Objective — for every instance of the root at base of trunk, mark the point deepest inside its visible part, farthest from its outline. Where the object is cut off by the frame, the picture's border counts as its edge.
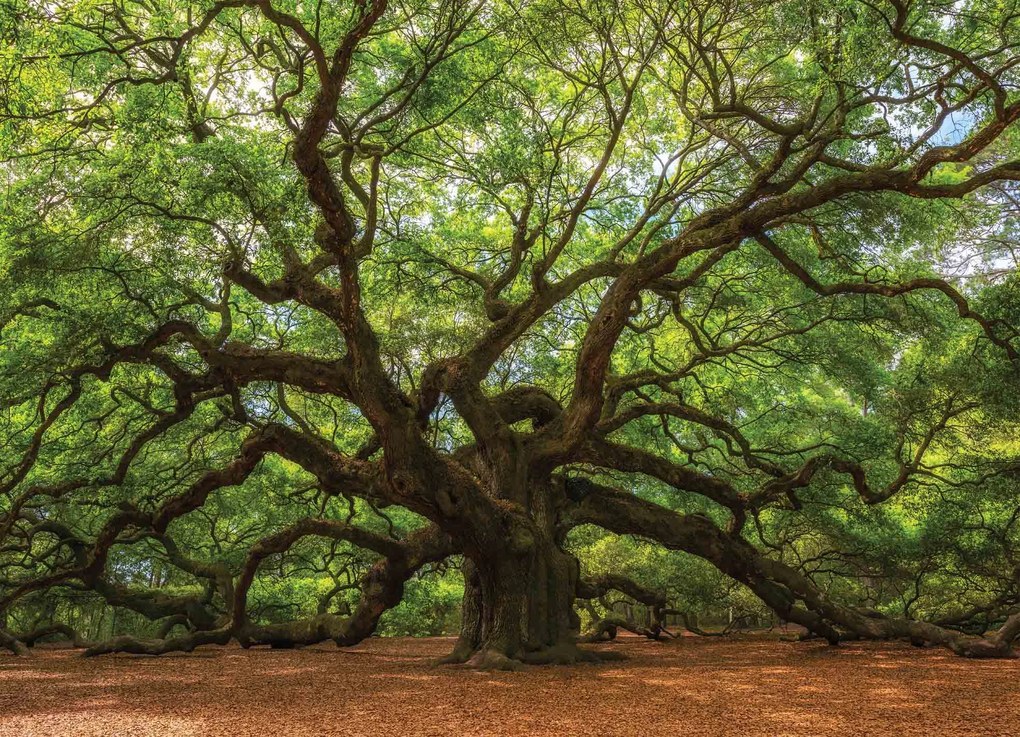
(494, 659)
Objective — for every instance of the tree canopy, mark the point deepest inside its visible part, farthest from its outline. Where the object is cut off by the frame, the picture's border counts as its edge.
(312, 307)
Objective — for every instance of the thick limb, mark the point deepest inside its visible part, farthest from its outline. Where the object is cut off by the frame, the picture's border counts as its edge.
(45, 631)
(606, 628)
(179, 644)
(13, 644)
(789, 593)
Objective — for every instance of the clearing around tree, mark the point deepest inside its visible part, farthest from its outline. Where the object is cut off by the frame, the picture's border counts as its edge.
(694, 687)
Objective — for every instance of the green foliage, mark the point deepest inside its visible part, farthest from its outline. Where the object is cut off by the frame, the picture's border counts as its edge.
(141, 178)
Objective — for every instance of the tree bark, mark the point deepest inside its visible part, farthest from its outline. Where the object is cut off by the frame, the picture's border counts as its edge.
(12, 643)
(790, 594)
(67, 632)
(519, 608)
(519, 589)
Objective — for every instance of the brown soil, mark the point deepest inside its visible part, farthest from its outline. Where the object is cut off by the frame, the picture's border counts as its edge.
(737, 686)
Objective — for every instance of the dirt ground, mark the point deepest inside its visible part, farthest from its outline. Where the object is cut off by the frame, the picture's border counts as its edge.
(737, 686)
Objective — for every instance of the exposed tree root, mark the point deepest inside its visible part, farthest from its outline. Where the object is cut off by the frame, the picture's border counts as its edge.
(489, 659)
(462, 652)
(566, 653)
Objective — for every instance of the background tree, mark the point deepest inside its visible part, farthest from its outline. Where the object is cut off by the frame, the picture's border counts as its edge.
(327, 293)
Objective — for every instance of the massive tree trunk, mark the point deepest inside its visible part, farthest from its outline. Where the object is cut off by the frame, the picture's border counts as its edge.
(519, 589)
(525, 609)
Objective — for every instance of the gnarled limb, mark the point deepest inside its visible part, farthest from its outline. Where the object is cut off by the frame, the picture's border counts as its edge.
(49, 630)
(778, 585)
(606, 627)
(12, 643)
(641, 258)
(182, 643)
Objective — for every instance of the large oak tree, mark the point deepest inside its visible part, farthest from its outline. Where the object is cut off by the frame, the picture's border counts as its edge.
(700, 272)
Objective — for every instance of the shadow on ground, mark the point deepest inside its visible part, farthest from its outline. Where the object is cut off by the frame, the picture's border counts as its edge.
(737, 686)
